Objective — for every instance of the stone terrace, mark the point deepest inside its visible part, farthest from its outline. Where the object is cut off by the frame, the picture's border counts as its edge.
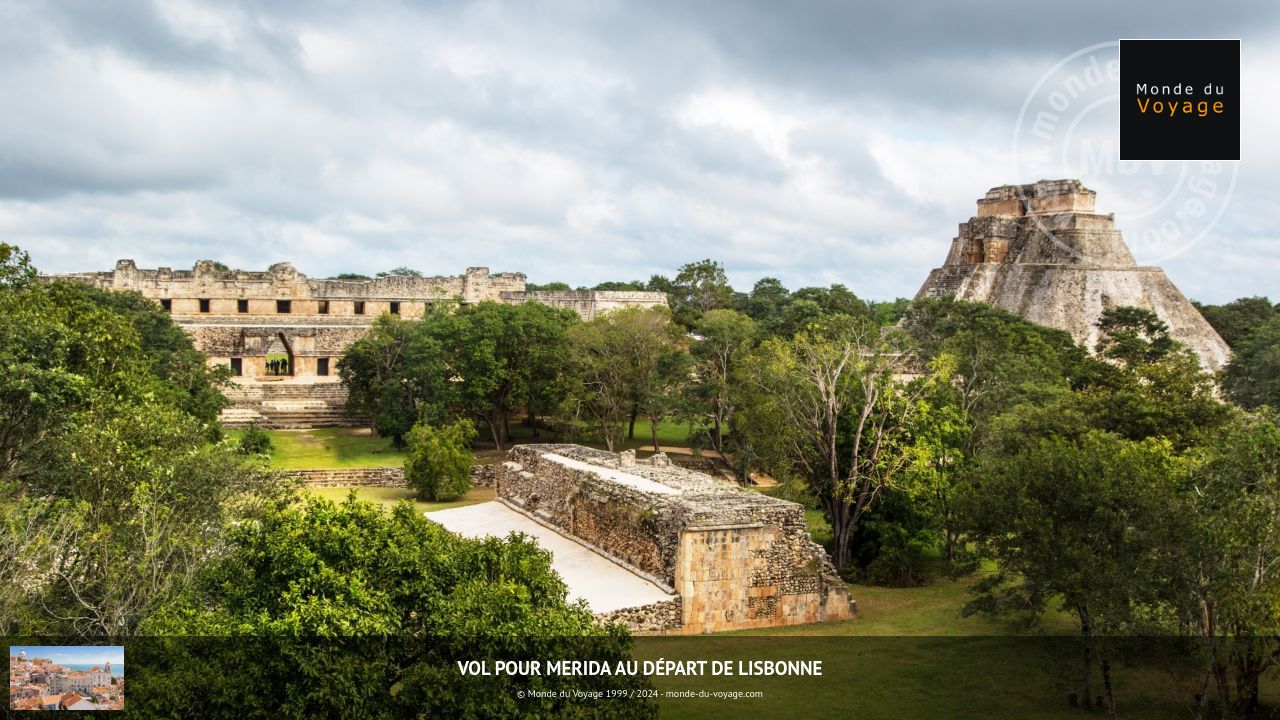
(737, 559)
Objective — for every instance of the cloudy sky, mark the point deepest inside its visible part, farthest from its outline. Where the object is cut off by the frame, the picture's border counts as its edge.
(582, 141)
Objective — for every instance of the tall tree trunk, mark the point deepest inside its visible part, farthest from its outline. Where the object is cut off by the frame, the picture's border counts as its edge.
(531, 418)
(506, 426)
(1086, 632)
(493, 432)
(1250, 661)
(631, 427)
(608, 435)
(841, 529)
(653, 432)
(1107, 688)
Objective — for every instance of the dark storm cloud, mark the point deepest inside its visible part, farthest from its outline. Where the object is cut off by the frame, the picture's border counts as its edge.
(582, 141)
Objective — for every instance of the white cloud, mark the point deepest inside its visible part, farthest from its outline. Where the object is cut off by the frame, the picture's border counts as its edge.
(572, 141)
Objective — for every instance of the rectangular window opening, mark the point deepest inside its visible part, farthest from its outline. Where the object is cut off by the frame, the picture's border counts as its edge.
(284, 306)
(322, 366)
(204, 305)
(242, 306)
(323, 307)
(359, 307)
(237, 367)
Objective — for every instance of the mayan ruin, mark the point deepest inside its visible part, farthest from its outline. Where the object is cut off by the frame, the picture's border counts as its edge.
(669, 550)
(283, 333)
(1042, 251)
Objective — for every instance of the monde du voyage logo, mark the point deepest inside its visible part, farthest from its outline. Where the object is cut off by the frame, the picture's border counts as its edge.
(1180, 99)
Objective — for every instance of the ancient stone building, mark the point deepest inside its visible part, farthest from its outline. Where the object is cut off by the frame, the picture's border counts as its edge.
(690, 553)
(282, 333)
(1041, 251)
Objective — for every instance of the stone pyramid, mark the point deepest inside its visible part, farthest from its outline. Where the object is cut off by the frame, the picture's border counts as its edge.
(1041, 251)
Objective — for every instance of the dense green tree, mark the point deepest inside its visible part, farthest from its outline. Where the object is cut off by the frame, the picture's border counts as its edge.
(994, 360)
(375, 370)
(482, 361)
(1146, 384)
(401, 271)
(829, 407)
(1219, 552)
(889, 312)
(348, 611)
(185, 374)
(350, 276)
(698, 287)
(623, 362)
(439, 461)
(1133, 336)
(1237, 319)
(766, 304)
(723, 338)
(622, 285)
(834, 300)
(105, 431)
(1252, 376)
(556, 285)
(1078, 520)
(498, 358)
(396, 414)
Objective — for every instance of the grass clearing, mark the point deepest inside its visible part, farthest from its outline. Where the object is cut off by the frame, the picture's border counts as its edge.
(331, 448)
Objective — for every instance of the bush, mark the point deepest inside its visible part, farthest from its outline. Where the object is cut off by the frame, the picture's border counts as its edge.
(439, 461)
(255, 441)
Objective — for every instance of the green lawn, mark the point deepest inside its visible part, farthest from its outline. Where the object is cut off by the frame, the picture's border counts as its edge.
(331, 448)
(357, 447)
(910, 655)
(389, 497)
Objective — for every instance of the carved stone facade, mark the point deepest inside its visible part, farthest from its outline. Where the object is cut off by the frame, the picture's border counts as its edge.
(734, 559)
(1041, 251)
(281, 324)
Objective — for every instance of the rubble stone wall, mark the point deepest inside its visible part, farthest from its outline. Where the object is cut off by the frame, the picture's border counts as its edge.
(736, 559)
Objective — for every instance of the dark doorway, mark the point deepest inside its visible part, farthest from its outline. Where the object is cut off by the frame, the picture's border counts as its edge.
(237, 367)
(322, 366)
(279, 357)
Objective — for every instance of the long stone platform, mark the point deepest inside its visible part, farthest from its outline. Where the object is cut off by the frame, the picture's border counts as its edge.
(604, 584)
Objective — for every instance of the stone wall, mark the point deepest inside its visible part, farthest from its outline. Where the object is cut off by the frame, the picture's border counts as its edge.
(657, 618)
(238, 317)
(737, 559)
(588, 303)
(354, 477)
(481, 476)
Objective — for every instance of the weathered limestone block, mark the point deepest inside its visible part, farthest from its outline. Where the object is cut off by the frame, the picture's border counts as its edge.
(736, 558)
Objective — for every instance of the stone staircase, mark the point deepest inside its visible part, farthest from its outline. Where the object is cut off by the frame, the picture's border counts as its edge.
(288, 406)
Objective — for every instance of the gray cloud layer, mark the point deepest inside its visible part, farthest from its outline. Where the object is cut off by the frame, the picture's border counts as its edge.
(578, 141)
